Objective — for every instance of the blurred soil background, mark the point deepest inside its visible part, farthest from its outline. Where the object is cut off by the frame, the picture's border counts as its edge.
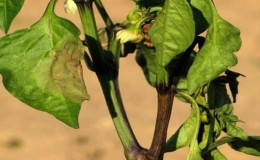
(27, 134)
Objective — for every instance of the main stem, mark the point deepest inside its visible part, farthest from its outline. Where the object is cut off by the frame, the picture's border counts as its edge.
(165, 101)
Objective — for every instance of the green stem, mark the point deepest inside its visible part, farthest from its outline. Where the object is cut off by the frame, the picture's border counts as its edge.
(107, 73)
(104, 15)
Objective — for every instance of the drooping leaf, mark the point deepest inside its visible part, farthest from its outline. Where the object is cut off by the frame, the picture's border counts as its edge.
(183, 136)
(216, 55)
(250, 146)
(172, 33)
(41, 66)
(187, 134)
(8, 10)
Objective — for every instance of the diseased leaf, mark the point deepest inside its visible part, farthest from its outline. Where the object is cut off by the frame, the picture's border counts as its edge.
(41, 66)
(172, 33)
(8, 10)
(250, 146)
(216, 55)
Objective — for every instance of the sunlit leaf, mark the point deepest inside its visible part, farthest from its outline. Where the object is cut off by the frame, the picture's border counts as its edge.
(8, 10)
(172, 33)
(183, 136)
(216, 55)
(41, 66)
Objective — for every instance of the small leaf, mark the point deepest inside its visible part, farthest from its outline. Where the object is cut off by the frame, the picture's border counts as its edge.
(250, 146)
(235, 131)
(41, 66)
(8, 10)
(172, 33)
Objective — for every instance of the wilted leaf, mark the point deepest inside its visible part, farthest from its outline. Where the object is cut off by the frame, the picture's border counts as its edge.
(41, 66)
(8, 10)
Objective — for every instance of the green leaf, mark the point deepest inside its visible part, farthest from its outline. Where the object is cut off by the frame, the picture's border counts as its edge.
(172, 33)
(183, 136)
(146, 59)
(215, 155)
(250, 146)
(202, 13)
(187, 134)
(41, 66)
(216, 55)
(235, 131)
(8, 10)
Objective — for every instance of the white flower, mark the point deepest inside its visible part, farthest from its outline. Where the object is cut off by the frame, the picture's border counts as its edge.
(70, 6)
(128, 35)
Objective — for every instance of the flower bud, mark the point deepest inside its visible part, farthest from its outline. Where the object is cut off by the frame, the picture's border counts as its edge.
(70, 6)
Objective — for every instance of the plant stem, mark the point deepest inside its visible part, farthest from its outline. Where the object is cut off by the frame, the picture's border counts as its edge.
(116, 108)
(104, 15)
(107, 72)
(165, 101)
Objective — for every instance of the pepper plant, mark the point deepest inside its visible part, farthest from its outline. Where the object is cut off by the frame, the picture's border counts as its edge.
(184, 48)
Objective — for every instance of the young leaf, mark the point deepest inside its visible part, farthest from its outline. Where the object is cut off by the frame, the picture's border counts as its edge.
(41, 66)
(250, 146)
(8, 10)
(216, 55)
(172, 32)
